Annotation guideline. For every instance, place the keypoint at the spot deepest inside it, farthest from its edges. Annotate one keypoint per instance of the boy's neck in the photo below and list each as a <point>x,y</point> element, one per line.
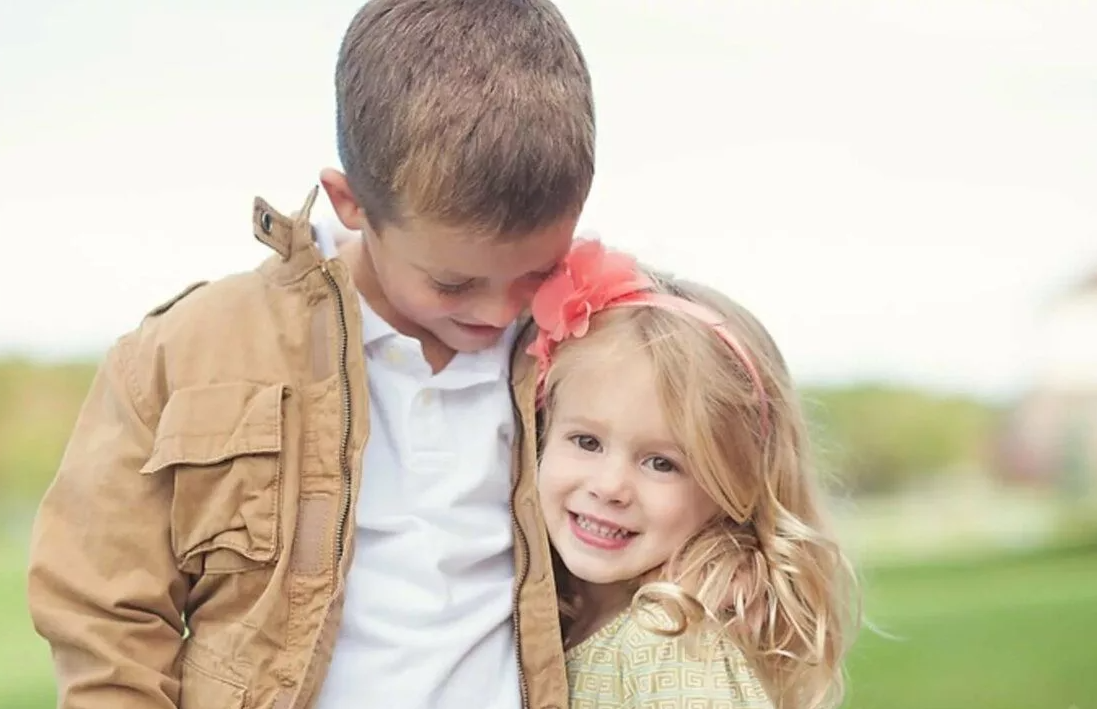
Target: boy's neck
<point>357,258</point>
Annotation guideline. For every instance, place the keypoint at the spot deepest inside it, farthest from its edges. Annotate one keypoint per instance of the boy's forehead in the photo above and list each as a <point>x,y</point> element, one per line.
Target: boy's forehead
<point>463,253</point>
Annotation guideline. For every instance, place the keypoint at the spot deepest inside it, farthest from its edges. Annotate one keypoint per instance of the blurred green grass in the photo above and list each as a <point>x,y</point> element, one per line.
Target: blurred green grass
<point>26,680</point>
<point>1014,632</point>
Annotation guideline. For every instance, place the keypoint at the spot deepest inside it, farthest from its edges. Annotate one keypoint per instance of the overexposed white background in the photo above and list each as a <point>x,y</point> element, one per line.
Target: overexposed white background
<point>895,186</point>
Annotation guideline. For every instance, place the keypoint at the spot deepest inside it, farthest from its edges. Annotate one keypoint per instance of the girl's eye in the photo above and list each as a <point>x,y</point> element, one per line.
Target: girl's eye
<point>451,288</point>
<point>587,443</point>
<point>661,465</point>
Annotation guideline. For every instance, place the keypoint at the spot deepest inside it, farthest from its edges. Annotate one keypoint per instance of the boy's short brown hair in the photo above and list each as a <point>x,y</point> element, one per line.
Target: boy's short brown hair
<point>472,113</point>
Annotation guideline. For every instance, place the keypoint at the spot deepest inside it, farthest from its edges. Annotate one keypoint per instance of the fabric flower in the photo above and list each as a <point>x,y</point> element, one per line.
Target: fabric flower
<point>589,279</point>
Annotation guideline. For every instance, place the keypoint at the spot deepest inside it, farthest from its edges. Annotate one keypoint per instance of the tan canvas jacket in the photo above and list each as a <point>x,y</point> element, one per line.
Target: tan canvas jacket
<point>212,476</point>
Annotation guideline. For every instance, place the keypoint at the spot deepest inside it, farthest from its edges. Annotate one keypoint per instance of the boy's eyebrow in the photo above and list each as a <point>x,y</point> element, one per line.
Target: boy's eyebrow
<point>544,272</point>
<point>451,276</point>
<point>456,276</point>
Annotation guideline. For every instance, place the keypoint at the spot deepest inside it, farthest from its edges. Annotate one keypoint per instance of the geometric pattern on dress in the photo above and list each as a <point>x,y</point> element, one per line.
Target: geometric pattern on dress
<point>625,666</point>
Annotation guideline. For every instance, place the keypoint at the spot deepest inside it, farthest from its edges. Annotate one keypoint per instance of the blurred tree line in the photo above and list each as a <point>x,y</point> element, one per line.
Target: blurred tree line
<point>872,439</point>
<point>38,406</point>
<point>875,439</point>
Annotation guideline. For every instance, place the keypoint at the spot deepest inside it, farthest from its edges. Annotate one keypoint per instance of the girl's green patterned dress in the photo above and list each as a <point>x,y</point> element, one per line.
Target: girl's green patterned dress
<point>625,666</point>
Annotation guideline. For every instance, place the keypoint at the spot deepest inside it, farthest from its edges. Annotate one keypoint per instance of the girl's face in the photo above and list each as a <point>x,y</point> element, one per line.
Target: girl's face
<point>615,489</point>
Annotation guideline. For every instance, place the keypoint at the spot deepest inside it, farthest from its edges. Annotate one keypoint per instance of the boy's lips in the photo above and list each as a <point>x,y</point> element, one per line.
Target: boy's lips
<point>480,330</point>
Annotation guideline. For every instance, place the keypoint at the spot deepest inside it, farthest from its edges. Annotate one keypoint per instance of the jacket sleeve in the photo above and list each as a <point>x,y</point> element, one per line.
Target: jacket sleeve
<point>104,589</point>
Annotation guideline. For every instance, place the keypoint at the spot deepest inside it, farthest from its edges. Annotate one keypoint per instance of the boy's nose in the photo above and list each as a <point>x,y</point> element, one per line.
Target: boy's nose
<point>500,312</point>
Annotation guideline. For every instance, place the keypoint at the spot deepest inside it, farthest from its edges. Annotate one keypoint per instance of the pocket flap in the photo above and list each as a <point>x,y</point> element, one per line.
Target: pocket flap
<point>210,424</point>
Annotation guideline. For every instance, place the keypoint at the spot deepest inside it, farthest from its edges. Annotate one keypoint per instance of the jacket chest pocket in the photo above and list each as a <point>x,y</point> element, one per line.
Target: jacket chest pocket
<point>222,444</point>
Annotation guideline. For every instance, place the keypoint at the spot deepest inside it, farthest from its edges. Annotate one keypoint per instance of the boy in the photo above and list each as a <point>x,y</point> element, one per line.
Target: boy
<point>242,517</point>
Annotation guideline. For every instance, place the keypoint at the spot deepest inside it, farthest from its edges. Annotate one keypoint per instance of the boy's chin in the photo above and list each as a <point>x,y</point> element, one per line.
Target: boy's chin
<point>469,338</point>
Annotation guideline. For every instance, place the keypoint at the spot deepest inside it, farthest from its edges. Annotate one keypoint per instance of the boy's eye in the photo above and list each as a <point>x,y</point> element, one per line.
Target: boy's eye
<point>451,288</point>
<point>587,443</point>
<point>661,465</point>
<point>542,276</point>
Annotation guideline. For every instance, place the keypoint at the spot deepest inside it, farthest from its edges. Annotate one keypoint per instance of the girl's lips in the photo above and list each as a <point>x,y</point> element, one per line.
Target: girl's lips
<point>602,521</point>
<point>598,533</point>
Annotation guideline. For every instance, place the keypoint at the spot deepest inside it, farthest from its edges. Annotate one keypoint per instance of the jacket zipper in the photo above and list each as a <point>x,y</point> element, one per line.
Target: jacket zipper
<point>522,571</point>
<point>520,540</point>
<point>344,442</point>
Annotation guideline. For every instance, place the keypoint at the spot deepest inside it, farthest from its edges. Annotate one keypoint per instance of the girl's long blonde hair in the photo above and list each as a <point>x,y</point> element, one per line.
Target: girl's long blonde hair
<point>768,569</point>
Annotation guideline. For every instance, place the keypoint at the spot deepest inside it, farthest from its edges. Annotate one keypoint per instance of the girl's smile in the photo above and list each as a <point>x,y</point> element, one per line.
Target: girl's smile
<point>615,488</point>
<point>599,533</point>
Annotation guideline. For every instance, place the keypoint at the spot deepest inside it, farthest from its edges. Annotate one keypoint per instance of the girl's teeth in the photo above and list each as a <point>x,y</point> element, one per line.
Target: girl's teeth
<point>600,529</point>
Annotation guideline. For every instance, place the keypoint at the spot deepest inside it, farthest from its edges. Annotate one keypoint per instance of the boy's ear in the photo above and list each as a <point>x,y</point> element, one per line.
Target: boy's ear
<point>342,199</point>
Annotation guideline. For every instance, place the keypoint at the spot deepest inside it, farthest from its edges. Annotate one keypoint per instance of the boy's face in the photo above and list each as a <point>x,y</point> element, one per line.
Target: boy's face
<point>463,289</point>
<point>439,283</point>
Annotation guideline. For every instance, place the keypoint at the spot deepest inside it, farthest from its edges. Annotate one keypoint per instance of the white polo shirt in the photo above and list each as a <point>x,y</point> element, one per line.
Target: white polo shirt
<point>427,621</point>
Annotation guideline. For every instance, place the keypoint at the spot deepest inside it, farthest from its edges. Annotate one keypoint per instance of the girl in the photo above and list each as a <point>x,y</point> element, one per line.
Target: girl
<point>694,564</point>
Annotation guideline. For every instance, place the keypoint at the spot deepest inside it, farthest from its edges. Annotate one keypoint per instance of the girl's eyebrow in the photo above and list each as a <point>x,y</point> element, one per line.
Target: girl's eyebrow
<point>580,421</point>
<point>666,445</point>
<point>654,443</point>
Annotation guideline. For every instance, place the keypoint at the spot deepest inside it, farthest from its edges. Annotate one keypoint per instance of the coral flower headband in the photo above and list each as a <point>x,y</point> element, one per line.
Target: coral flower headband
<point>592,279</point>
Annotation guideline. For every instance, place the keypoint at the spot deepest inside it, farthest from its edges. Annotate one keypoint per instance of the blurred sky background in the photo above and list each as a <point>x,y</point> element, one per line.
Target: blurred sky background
<point>896,187</point>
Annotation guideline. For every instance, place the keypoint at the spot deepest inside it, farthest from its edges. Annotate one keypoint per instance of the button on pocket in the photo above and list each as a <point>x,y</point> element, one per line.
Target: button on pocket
<point>223,445</point>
